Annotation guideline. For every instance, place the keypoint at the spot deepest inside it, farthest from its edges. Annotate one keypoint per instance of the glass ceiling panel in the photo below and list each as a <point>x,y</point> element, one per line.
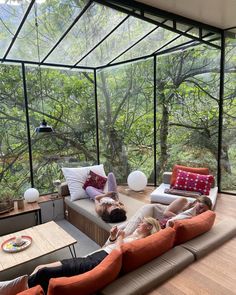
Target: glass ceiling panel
<point>54,17</point>
<point>91,28</point>
<point>11,15</point>
<point>127,34</point>
<point>178,41</point>
<point>148,45</point>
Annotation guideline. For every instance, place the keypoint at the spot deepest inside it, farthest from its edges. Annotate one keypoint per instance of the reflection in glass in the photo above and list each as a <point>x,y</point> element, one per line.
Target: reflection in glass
<point>14,157</point>
<point>91,28</point>
<point>53,20</point>
<point>188,98</point>
<point>69,107</point>
<point>125,107</point>
<point>10,18</point>
<point>149,44</point>
<point>228,154</point>
<point>126,35</point>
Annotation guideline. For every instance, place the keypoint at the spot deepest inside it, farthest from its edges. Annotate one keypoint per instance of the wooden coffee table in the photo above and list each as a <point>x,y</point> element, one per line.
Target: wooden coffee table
<point>46,238</point>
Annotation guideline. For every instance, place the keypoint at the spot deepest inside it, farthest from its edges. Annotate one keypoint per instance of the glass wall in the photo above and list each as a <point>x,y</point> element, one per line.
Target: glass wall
<point>66,102</point>
<point>187,119</point>
<point>188,109</point>
<point>125,113</point>
<point>14,156</point>
<point>65,99</point>
<point>228,154</point>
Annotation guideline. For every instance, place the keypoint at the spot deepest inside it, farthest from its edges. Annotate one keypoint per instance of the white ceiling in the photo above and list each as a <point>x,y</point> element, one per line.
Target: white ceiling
<point>218,13</point>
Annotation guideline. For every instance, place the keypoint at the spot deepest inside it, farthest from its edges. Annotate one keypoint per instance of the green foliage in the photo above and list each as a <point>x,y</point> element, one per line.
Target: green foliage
<point>187,118</point>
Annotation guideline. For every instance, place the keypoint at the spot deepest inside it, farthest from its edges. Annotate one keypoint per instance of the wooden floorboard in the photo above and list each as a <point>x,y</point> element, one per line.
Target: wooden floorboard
<point>214,274</point>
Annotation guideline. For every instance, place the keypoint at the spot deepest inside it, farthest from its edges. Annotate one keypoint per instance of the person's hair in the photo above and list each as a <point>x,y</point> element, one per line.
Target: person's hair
<point>154,223</point>
<point>205,200</point>
<point>116,215</point>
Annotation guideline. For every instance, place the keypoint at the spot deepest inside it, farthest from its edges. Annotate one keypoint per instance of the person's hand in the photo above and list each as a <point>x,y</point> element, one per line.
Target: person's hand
<point>121,233</point>
<point>113,232</point>
<point>112,195</point>
<point>99,197</point>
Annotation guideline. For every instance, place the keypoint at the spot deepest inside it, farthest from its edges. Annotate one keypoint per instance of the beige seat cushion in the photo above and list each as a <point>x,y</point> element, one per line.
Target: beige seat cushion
<point>151,274</point>
<point>86,208</point>
<point>219,234</point>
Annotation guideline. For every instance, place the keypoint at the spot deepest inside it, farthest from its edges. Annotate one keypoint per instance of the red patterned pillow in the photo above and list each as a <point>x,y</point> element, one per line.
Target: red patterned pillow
<point>195,182</point>
<point>95,180</point>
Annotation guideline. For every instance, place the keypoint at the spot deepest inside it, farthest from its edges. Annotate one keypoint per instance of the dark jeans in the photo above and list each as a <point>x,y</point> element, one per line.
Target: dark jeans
<point>69,267</point>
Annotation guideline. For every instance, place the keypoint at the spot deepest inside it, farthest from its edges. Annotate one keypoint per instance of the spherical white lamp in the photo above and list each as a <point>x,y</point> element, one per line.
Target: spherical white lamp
<point>31,195</point>
<point>137,180</point>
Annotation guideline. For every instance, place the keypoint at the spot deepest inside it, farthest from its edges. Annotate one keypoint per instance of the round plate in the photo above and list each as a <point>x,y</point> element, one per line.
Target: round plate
<point>11,247</point>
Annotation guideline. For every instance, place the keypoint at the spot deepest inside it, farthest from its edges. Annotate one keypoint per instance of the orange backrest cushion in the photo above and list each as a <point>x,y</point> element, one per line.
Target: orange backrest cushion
<point>90,281</point>
<point>175,169</point>
<point>37,290</point>
<point>187,229</point>
<point>141,251</point>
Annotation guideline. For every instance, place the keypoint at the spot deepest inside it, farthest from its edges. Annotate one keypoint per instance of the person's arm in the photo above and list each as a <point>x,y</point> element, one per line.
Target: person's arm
<point>99,208</point>
<point>99,197</point>
<point>120,238</point>
<point>113,235</point>
<point>175,207</point>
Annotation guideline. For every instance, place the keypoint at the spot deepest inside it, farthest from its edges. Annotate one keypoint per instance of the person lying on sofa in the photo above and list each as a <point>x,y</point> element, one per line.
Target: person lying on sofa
<point>74,266</point>
<point>107,205</point>
<point>180,208</point>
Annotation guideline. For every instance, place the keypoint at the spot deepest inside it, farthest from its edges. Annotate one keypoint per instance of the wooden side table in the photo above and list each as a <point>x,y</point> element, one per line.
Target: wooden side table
<point>28,208</point>
<point>49,207</point>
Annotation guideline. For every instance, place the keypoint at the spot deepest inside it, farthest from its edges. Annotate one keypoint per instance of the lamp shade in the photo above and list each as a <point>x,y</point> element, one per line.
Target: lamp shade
<point>44,127</point>
<point>31,195</point>
<point>137,180</point>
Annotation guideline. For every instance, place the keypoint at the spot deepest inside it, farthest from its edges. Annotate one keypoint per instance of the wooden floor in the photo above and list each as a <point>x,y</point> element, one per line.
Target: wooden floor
<point>215,274</point>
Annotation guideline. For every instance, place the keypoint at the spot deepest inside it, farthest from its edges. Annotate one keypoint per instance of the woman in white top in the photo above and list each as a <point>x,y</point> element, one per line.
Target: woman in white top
<point>70,267</point>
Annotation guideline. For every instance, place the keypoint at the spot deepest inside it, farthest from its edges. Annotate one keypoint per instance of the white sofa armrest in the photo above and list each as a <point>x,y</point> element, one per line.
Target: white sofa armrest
<point>166,177</point>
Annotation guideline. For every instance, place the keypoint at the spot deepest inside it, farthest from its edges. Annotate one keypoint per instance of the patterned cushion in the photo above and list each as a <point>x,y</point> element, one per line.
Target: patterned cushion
<point>95,180</point>
<point>199,170</point>
<point>193,182</point>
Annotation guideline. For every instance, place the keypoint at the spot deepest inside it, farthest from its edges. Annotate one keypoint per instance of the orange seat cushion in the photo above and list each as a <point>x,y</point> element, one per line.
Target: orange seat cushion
<point>187,229</point>
<point>204,171</point>
<point>141,251</point>
<point>37,290</point>
<point>90,281</point>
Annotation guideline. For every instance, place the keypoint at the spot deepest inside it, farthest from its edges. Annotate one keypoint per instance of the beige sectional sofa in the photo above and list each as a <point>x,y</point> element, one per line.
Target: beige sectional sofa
<point>151,274</point>
<point>147,276</point>
<point>81,213</point>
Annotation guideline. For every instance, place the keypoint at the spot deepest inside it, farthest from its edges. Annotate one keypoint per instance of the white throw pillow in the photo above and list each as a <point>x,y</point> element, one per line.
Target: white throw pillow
<point>76,177</point>
<point>15,286</point>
